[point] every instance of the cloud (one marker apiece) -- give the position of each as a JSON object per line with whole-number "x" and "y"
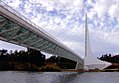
{"x": 104, "y": 41}
{"x": 113, "y": 11}
{"x": 13, "y": 3}
{"x": 102, "y": 6}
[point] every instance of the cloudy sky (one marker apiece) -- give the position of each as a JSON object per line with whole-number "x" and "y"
{"x": 64, "y": 20}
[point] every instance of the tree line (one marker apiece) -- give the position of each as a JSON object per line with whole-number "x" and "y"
{"x": 110, "y": 58}
{"x": 31, "y": 56}
{"x": 35, "y": 57}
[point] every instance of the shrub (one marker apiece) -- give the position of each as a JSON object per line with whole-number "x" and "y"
{"x": 50, "y": 68}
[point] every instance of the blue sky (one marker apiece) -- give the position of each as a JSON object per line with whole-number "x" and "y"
{"x": 64, "y": 19}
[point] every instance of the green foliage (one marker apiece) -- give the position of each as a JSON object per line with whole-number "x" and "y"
{"x": 110, "y": 58}
{"x": 19, "y": 66}
{"x": 22, "y": 60}
{"x": 50, "y": 68}
{"x": 63, "y": 63}
{"x": 32, "y": 60}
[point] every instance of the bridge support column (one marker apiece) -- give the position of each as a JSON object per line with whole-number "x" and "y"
{"x": 79, "y": 66}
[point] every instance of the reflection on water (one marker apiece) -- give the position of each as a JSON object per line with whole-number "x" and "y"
{"x": 58, "y": 77}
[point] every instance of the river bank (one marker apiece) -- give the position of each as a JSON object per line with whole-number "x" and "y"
{"x": 26, "y": 66}
{"x": 52, "y": 67}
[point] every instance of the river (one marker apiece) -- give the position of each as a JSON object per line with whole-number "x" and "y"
{"x": 58, "y": 77}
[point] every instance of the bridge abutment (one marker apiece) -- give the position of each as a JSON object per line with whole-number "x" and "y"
{"x": 79, "y": 66}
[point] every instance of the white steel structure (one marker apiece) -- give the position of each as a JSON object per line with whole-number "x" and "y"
{"x": 17, "y": 29}
{"x": 90, "y": 61}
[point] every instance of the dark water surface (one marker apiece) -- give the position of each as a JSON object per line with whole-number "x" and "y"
{"x": 58, "y": 77}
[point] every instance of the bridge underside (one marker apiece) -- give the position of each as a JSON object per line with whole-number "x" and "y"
{"x": 17, "y": 32}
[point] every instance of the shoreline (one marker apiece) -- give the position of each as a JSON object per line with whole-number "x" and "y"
{"x": 29, "y": 67}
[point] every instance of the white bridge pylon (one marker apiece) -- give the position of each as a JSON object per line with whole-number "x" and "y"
{"x": 16, "y": 29}
{"x": 91, "y": 61}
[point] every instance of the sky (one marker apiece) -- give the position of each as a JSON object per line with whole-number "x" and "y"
{"x": 64, "y": 20}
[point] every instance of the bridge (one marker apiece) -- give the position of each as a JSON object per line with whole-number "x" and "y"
{"x": 17, "y": 29}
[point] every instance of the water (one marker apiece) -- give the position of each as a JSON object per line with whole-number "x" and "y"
{"x": 58, "y": 77}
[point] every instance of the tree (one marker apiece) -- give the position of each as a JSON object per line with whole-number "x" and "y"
{"x": 3, "y": 52}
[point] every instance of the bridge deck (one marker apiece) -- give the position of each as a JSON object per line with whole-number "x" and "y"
{"x": 17, "y": 29}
